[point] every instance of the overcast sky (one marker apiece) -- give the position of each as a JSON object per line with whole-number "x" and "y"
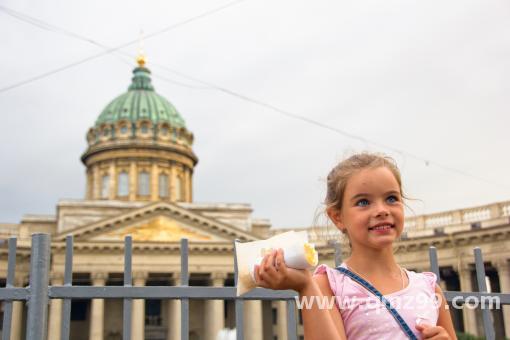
{"x": 431, "y": 78}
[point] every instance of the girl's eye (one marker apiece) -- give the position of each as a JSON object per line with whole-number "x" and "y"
{"x": 392, "y": 199}
{"x": 362, "y": 202}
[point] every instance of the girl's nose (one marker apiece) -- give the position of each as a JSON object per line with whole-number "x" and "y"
{"x": 382, "y": 211}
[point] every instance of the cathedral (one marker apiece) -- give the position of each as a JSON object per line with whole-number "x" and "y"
{"x": 139, "y": 173}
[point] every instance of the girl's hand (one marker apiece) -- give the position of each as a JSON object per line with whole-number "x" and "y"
{"x": 272, "y": 273}
{"x": 433, "y": 332}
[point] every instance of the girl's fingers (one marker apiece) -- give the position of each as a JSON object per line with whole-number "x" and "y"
{"x": 280, "y": 262}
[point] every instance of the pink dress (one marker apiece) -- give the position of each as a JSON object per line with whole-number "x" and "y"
{"x": 365, "y": 317}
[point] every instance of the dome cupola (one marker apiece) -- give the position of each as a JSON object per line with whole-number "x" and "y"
{"x": 139, "y": 147}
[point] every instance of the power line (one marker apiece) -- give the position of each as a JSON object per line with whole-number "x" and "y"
{"x": 108, "y": 50}
{"x": 209, "y": 85}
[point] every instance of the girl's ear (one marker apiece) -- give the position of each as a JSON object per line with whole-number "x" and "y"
{"x": 335, "y": 216}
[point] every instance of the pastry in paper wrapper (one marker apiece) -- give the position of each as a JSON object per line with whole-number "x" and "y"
{"x": 297, "y": 254}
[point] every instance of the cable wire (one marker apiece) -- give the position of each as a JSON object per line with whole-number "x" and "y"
{"x": 108, "y": 50}
{"x": 209, "y": 85}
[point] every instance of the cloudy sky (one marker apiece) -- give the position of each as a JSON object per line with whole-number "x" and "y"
{"x": 428, "y": 78}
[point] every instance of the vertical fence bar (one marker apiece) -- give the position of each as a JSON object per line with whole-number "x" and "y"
{"x": 184, "y": 282}
{"x": 239, "y": 302}
{"x": 291, "y": 320}
{"x": 11, "y": 265}
{"x": 128, "y": 303}
{"x": 65, "y": 327}
{"x": 338, "y": 253}
{"x": 37, "y": 319}
{"x": 482, "y": 287}
{"x": 434, "y": 263}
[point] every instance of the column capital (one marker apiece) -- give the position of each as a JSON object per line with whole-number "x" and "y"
{"x": 98, "y": 278}
{"x": 218, "y": 278}
{"x": 57, "y": 278}
{"x": 502, "y": 265}
{"x": 464, "y": 268}
{"x": 140, "y": 277}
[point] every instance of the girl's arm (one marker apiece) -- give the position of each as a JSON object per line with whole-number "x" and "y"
{"x": 444, "y": 328}
{"x": 445, "y": 318}
{"x": 318, "y": 323}
{"x": 321, "y": 323}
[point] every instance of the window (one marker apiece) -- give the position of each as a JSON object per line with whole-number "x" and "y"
{"x": 163, "y": 185}
{"x": 153, "y": 312}
{"x": 144, "y": 128}
{"x": 123, "y": 184}
{"x": 164, "y": 131}
{"x": 79, "y": 310}
{"x": 178, "y": 189}
{"x": 123, "y": 129}
{"x": 144, "y": 183}
{"x": 106, "y": 132}
{"x": 105, "y": 186}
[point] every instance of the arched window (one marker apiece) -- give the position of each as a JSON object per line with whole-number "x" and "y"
{"x": 123, "y": 184}
{"x": 178, "y": 189}
{"x": 105, "y": 186}
{"x": 163, "y": 185}
{"x": 144, "y": 129}
{"x": 144, "y": 181}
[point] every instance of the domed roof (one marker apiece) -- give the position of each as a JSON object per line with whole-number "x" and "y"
{"x": 141, "y": 102}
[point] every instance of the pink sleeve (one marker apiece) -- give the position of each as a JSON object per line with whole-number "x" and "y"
{"x": 431, "y": 280}
{"x": 323, "y": 269}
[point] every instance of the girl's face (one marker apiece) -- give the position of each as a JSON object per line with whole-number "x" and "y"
{"x": 372, "y": 211}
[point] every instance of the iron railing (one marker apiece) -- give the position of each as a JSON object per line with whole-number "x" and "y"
{"x": 38, "y": 293}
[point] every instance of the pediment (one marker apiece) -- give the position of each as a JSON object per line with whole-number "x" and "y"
{"x": 159, "y": 222}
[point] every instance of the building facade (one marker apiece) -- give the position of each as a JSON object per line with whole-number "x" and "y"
{"x": 139, "y": 169}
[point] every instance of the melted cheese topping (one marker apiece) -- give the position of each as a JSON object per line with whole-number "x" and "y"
{"x": 311, "y": 254}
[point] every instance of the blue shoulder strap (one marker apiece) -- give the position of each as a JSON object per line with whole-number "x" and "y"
{"x": 386, "y": 303}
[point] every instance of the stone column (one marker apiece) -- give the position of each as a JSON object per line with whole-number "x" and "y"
{"x": 113, "y": 180}
{"x": 55, "y": 311}
{"x": 97, "y": 309}
{"x": 253, "y": 320}
{"x": 133, "y": 176}
{"x": 138, "y": 316}
{"x": 466, "y": 285}
{"x": 173, "y": 181}
{"x": 214, "y": 309}
{"x": 504, "y": 282}
{"x": 281, "y": 319}
{"x": 174, "y": 315}
{"x": 154, "y": 182}
{"x": 187, "y": 184}
{"x": 17, "y": 314}
{"x": 96, "y": 184}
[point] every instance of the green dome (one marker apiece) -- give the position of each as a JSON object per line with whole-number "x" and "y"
{"x": 141, "y": 102}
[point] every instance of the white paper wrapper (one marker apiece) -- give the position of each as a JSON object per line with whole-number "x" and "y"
{"x": 250, "y": 254}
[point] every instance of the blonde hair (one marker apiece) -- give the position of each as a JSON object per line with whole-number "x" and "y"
{"x": 339, "y": 176}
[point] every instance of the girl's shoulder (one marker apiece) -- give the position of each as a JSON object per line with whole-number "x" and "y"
{"x": 340, "y": 284}
{"x": 427, "y": 280}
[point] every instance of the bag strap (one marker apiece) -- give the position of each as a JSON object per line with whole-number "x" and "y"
{"x": 386, "y": 303}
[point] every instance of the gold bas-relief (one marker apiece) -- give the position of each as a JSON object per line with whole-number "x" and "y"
{"x": 159, "y": 229}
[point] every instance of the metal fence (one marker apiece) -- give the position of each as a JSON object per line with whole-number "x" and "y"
{"x": 38, "y": 293}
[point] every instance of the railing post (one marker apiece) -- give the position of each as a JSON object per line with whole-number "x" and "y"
{"x": 434, "y": 263}
{"x": 239, "y": 303}
{"x": 37, "y": 319}
{"x": 11, "y": 265}
{"x": 184, "y": 282}
{"x": 482, "y": 287}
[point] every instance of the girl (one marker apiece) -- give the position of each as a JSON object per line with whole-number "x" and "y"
{"x": 365, "y": 202}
